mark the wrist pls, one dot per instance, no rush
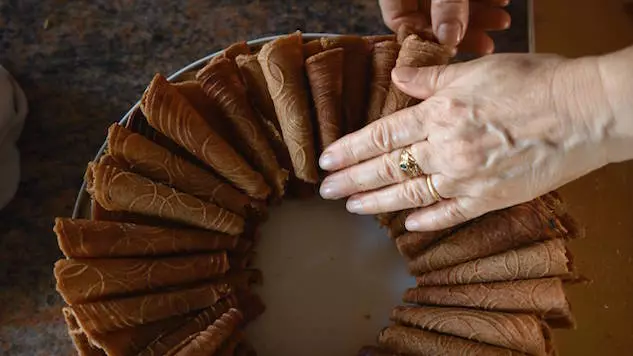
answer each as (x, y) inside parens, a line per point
(616, 74)
(582, 105)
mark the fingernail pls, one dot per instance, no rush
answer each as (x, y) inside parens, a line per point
(329, 190)
(450, 33)
(327, 161)
(404, 74)
(354, 205)
(412, 225)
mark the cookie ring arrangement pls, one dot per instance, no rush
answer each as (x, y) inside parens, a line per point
(163, 266)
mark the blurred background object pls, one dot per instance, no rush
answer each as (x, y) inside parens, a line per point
(13, 109)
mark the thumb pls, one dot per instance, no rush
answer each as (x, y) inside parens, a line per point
(449, 19)
(424, 82)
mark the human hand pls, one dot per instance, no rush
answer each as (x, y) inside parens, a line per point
(454, 22)
(491, 133)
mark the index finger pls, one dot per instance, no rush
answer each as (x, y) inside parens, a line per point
(397, 130)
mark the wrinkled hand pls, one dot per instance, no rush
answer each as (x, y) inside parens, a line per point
(454, 22)
(491, 133)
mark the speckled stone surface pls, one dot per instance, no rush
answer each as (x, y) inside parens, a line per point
(82, 64)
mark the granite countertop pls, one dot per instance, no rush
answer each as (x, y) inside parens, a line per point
(82, 64)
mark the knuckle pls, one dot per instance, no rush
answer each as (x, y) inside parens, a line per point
(415, 193)
(348, 147)
(381, 138)
(390, 171)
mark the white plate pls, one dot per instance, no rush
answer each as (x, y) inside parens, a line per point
(330, 277)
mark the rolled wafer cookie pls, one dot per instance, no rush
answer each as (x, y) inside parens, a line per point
(232, 51)
(496, 232)
(130, 341)
(520, 332)
(144, 157)
(283, 66)
(193, 325)
(80, 238)
(383, 60)
(357, 53)
(171, 114)
(119, 190)
(221, 82)
(78, 337)
(121, 313)
(262, 102)
(411, 341)
(211, 340)
(545, 259)
(543, 297)
(325, 74)
(414, 52)
(89, 280)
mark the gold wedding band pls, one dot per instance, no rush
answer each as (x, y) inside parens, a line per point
(432, 190)
(408, 164)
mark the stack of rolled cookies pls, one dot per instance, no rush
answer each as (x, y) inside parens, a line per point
(163, 265)
(493, 286)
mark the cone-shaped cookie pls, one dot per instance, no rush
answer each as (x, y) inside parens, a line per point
(211, 340)
(208, 109)
(311, 48)
(78, 238)
(79, 338)
(170, 113)
(411, 341)
(374, 39)
(262, 103)
(355, 77)
(130, 341)
(118, 190)
(110, 315)
(99, 213)
(396, 225)
(221, 81)
(193, 325)
(519, 332)
(411, 244)
(137, 123)
(89, 280)
(283, 67)
(493, 233)
(383, 60)
(544, 297)
(257, 89)
(385, 218)
(415, 52)
(546, 259)
(232, 51)
(155, 162)
(325, 73)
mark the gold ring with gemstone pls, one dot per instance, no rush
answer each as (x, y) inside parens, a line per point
(408, 164)
(432, 190)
